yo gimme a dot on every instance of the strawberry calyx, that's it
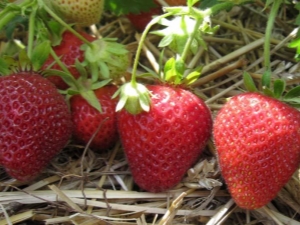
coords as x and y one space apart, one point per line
134 97
106 57
277 90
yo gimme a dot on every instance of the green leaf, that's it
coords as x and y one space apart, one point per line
267 91
249 82
279 87
192 77
40 54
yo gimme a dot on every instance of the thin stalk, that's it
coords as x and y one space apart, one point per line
267 46
140 46
67 26
186 49
63 67
31 31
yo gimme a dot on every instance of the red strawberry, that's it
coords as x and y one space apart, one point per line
258 144
35 124
68 51
176 2
141 20
87 119
162 144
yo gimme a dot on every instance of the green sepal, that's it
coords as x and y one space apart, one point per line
134 97
174 70
67 77
100 84
279 87
292 97
193 76
249 82
4 67
92 99
293 93
25 62
40 54
268 92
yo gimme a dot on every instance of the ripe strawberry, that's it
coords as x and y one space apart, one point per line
80 12
35 124
141 20
68 51
175 2
87 119
162 144
258 144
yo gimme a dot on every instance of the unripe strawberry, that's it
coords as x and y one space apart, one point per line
80 12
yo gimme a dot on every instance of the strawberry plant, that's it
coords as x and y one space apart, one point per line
153 118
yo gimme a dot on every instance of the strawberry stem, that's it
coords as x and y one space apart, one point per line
31 31
141 43
266 79
64 24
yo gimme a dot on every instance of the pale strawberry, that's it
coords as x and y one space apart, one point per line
80 12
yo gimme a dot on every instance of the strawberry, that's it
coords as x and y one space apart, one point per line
87 119
162 144
80 12
175 2
258 144
140 20
35 124
69 51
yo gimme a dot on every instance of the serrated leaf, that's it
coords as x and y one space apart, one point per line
279 87
40 54
249 82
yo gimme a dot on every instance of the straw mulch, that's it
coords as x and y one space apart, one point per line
84 187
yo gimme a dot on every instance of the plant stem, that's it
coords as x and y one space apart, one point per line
64 24
266 79
190 40
31 31
141 43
